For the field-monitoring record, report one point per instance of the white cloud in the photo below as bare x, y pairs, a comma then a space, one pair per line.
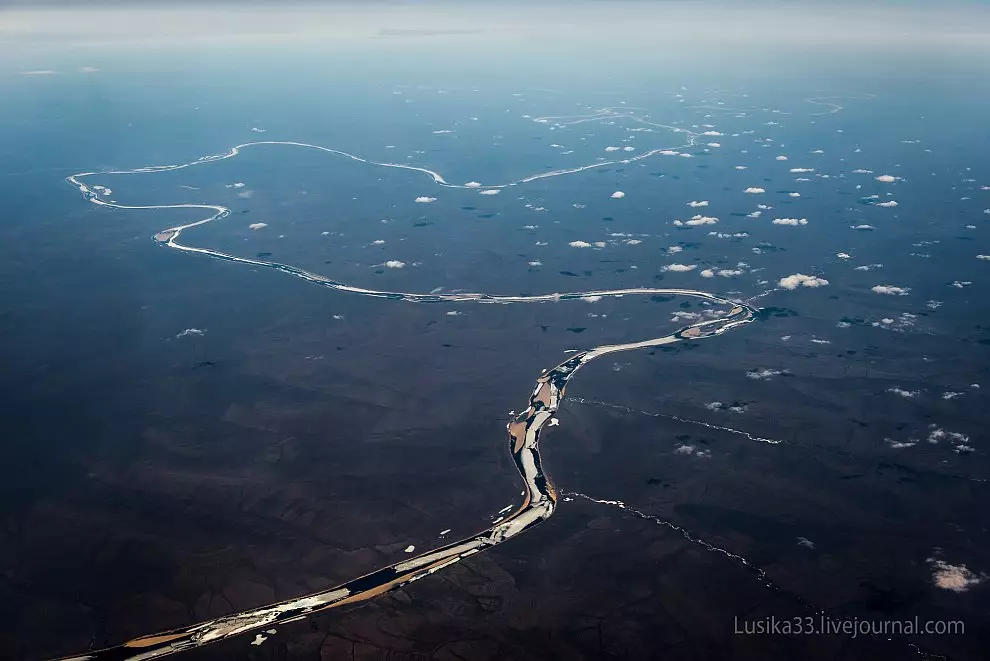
842, 255
892, 203
680, 268
612, 149
801, 280
741, 167
698, 220
394, 264
862, 227
794, 194
707, 273
712, 133
948, 394
579, 244
752, 190
765, 373
714, 144
674, 249
190, 331
536, 262
376, 242
628, 148
473, 184
617, 195
633, 242
257, 226
730, 273
790, 221
591, 299
886, 178
890, 290
255, 129
956, 578
907, 394
862, 171
781, 158
684, 449
983, 256
38, 72
423, 199
490, 191
88, 69
698, 203
799, 170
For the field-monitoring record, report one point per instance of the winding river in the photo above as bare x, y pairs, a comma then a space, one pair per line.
524, 429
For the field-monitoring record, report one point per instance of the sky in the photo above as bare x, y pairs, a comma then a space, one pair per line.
73, 22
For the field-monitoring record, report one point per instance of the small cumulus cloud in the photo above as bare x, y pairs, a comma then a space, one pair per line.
610, 148
842, 255
38, 72
790, 221
886, 178
890, 290
782, 158
579, 244
423, 199
712, 133
257, 226
752, 190
394, 264
864, 228
955, 578
801, 280
617, 195
887, 205
190, 331
800, 170
680, 268
698, 203
473, 184
696, 220
907, 394
707, 273
490, 191
763, 374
